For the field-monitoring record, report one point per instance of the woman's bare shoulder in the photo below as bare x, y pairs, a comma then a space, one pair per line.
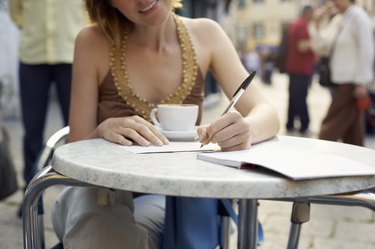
92, 36
205, 30
93, 50
202, 25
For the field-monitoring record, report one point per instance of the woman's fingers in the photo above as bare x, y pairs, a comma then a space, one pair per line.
136, 137
155, 131
150, 132
232, 140
120, 139
130, 130
230, 132
203, 134
142, 132
242, 146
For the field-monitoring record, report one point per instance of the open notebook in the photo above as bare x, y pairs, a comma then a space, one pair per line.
294, 163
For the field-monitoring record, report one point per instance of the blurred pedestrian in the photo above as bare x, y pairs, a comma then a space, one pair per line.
299, 66
48, 30
267, 64
370, 116
351, 70
251, 60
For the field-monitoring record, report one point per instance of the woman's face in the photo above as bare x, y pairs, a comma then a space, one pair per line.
342, 5
144, 12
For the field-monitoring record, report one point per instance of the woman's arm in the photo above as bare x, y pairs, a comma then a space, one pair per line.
256, 119
364, 44
85, 84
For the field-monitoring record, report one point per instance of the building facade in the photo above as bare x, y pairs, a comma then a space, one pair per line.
261, 22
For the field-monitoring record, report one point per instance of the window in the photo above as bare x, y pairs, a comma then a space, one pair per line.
241, 3
258, 31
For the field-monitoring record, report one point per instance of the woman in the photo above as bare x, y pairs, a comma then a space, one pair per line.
135, 55
351, 70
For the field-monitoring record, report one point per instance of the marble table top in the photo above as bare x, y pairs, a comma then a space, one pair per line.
102, 163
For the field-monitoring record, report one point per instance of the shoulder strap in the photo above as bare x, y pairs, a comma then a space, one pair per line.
346, 19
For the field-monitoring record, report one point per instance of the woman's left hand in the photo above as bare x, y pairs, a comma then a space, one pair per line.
230, 132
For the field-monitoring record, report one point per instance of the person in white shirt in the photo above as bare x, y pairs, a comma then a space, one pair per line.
351, 70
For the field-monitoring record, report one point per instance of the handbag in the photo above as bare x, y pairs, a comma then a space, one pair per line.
324, 72
282, 52
8, 176
323, 68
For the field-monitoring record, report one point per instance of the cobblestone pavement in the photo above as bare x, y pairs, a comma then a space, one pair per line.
330, 227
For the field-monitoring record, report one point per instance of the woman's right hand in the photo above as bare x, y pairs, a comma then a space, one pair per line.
129, 130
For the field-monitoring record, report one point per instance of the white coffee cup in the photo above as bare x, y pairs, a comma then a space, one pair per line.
175, 117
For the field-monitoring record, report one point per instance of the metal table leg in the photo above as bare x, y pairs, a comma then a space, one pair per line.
300, 215
248, 224
44, 179
225, 224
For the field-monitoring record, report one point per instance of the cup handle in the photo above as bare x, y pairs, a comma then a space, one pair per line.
153, 117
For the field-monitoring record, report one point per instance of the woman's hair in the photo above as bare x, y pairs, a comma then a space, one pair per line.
111, 20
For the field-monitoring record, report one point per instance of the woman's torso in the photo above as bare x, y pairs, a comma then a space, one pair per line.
138, 95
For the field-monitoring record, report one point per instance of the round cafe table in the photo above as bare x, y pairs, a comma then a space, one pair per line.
101, 163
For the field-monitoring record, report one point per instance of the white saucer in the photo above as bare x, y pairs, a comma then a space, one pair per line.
180, 135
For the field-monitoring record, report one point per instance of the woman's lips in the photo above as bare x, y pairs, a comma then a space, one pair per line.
149, 6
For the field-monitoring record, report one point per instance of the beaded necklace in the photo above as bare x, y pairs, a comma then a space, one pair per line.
189, 73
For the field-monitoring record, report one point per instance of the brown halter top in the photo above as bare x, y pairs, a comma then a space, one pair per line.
117, 99
111, 104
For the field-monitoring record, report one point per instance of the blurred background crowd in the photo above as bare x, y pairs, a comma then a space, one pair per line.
255, 26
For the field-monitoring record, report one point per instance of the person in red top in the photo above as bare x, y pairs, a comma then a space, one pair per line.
299, 66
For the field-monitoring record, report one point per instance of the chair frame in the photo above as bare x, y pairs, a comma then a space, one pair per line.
301, 209
43, 161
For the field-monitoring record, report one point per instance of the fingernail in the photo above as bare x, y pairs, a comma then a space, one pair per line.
146, 143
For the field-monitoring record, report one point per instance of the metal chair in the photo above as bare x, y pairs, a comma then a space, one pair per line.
50, 146
42, 162
301, 209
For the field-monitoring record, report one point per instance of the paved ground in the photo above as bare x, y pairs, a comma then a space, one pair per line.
330, 227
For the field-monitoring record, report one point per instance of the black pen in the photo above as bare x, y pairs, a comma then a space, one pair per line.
237, 94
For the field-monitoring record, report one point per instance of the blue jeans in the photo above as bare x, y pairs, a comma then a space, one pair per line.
35, 81
297, 108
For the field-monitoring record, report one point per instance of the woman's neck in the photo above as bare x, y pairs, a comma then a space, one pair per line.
155, 37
